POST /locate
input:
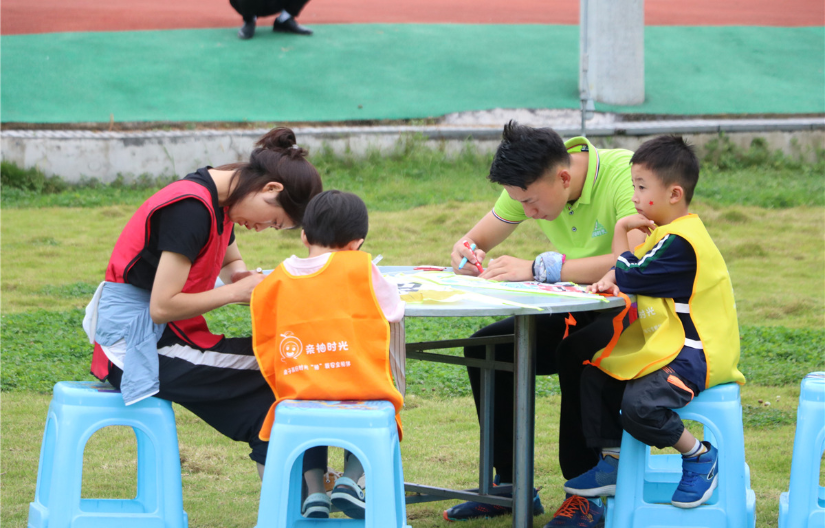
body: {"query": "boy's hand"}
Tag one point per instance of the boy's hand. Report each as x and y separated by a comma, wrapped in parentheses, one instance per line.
(461, 251)
(604, 286)
(637, 221)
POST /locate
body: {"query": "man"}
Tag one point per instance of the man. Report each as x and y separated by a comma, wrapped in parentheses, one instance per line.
(250, 10)
(577, 193)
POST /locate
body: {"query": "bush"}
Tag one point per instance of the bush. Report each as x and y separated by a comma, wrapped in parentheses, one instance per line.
(32, 179)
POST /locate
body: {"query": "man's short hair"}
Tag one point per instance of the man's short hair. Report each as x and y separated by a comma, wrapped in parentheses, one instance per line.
(333, 219)
(526, 154)
(672, 160)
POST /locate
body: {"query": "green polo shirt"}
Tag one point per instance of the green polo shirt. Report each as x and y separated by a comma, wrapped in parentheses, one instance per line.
(585, 227)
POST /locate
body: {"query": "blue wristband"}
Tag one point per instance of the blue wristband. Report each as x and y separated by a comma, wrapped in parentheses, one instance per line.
(547, 267)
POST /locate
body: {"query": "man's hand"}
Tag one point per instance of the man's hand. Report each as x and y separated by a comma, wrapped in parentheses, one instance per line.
(461, 251)
(637, 221)
(509, 269)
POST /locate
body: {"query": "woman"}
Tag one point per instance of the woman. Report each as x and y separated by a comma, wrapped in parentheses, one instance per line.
(146, 319)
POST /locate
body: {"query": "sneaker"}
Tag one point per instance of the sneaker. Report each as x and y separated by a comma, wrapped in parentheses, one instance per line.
(599, 481)
(699, 479)
(247, 31)
(316, 506)
(348, 497)
(578, 512)
(479, 510)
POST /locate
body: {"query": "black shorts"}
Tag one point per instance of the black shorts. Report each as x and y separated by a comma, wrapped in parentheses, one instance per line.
(223, 386)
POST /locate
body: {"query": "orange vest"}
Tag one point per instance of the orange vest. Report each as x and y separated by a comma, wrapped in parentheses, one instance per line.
(323, 336)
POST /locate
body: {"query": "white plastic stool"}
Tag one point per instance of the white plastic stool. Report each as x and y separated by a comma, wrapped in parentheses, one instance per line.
(367, 429)
(77, 410)
(803, 505)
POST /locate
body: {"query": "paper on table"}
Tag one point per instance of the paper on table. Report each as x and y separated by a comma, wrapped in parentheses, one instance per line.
(562, 289)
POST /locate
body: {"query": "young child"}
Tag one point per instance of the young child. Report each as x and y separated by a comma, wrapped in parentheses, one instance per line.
(686, 338)
(321, 331)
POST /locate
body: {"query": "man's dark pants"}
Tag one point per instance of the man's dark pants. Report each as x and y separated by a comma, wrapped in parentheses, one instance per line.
(554, 355)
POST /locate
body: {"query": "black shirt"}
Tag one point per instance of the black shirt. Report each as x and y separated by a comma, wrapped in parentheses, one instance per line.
(182, 227)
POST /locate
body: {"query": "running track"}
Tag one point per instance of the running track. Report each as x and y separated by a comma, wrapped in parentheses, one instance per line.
(51, 16)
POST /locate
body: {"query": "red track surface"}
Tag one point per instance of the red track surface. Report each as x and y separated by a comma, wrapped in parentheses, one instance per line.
(49, 16)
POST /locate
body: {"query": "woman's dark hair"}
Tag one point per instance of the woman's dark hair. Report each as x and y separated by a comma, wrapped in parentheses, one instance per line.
(334, 219)
(276, 158)
(525, 154)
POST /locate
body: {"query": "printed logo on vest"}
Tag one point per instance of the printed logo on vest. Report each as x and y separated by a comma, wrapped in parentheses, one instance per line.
(598, 230)
(291, 346)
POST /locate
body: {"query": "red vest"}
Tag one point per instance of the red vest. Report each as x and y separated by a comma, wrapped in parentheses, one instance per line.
(323, 336)
(205, 270)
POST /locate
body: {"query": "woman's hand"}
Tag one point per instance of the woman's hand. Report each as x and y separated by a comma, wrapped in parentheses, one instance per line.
(244, 286)
(242, 274)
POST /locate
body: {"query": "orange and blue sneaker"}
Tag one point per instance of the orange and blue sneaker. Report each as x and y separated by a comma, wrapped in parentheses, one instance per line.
(478, 510)
(578, 512)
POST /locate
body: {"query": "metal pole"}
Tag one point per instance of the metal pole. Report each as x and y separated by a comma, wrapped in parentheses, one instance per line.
(524, 420)
(584, 59)
(486, 424)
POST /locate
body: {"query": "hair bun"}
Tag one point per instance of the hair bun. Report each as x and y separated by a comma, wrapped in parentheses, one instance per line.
(277, 139)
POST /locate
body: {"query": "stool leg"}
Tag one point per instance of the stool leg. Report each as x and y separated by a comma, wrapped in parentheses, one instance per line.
(803, 509)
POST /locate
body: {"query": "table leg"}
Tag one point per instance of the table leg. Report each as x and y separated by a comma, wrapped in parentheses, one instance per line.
(524, 420)
(486, 423)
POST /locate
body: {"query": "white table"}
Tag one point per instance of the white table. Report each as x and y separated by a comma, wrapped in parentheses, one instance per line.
(524, 372)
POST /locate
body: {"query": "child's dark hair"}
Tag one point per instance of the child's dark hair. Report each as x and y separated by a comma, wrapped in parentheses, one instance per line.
(525, 154)
(672, 160)
(333, 219)
(276, 158)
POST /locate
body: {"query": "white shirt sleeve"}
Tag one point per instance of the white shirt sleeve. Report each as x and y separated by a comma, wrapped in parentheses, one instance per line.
(387, 294)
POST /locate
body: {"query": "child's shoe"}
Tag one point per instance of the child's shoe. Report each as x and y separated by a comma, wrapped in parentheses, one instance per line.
(699, 478)
(599, 481)
(578, 512)
(316, 506)
(348, 497)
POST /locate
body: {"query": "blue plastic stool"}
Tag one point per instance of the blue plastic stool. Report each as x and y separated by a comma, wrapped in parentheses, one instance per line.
(77, 410)
(803, 505)
(367, 429)
(646, 482)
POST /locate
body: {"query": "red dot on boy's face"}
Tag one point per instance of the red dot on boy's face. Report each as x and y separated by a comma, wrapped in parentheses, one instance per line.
(651, 203)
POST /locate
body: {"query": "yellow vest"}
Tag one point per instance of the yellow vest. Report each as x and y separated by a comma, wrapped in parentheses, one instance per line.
(657, 336)
(323, 336)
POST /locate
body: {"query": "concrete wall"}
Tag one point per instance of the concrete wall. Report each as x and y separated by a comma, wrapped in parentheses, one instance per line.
(75, 155)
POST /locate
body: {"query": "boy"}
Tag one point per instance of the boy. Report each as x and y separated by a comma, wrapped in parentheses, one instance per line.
(321, 331)
(685, 340)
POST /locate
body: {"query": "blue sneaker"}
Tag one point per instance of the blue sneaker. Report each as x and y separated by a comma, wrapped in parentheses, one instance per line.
(577, 512)
(348, 497)
(699, 479)
(316, 506)
(478, 510)
(599, 481)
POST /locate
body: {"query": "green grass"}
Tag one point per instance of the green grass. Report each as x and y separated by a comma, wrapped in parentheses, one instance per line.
(221, 487)
(764, 211)
(413, 175)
